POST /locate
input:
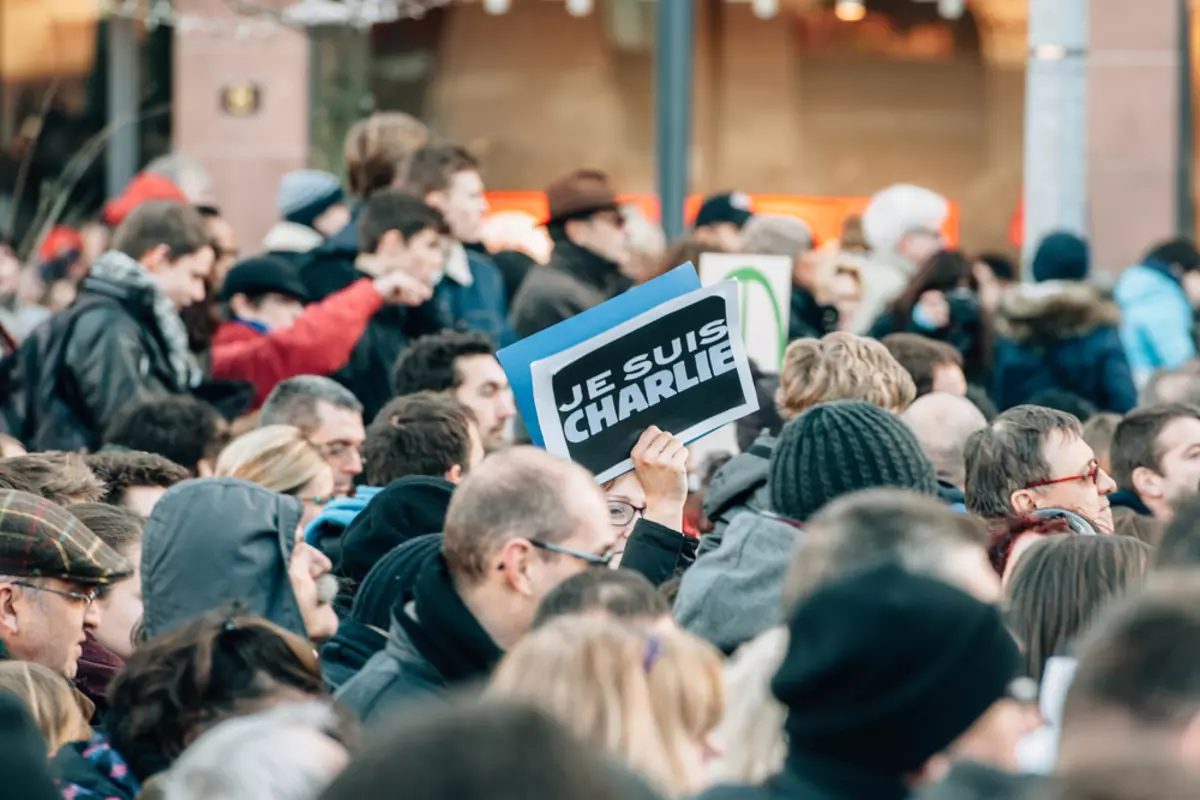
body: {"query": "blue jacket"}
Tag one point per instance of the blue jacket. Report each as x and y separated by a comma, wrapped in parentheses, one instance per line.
(1058, 335)
(1156, 319)
(479, 303)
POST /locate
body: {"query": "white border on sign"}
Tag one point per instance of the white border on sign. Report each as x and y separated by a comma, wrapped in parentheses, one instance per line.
(543, 371)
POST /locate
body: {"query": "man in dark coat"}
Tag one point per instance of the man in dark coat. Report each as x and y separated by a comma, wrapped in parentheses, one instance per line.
(589, 248)
(123, 335)
(395, 231)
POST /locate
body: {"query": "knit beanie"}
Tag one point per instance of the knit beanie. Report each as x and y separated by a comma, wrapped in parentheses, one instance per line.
(1061, 257)
(406, 508)
(306, 194)
(885, 669)
(390, 581)
(837, 448)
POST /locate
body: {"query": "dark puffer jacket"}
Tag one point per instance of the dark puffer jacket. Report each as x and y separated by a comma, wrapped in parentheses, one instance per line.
(83, 365)
(1059, 335)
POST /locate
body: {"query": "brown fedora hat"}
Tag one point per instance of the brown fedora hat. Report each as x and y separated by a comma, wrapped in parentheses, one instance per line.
(583, 192)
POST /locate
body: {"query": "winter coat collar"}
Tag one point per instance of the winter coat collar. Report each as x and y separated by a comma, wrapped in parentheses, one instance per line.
(586, 266)
(353, 645)
(97, 669)
(445, 631)
(1128, 498)
(458, 266)
(291, 237)
(1044, 313)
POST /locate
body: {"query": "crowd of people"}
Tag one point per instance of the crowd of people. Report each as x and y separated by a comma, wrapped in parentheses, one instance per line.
(269, 531)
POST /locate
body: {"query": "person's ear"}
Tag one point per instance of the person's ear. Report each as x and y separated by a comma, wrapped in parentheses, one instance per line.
(454, 474)
(241, 306)
(156, 258)
(1147, 483)
(577, 230)
(1023, 501)
(1189, 743)
(516, 559)
(391, 243)
(436, 199)
(8, 610)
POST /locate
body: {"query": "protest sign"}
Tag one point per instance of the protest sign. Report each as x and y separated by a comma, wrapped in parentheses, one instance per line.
(765, 289)
(681, 366)
(516, 358)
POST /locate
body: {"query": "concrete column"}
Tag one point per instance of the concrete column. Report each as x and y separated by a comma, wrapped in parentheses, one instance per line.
(673, 104)
(1056, 120)
(121, 155)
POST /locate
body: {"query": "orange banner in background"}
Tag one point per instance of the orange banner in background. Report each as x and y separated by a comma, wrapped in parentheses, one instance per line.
(516, 216)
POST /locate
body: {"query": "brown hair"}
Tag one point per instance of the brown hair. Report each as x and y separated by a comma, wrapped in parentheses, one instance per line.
(117, 527)
(425, 433)
(122, 470)
(1135, 442)
(433, 167)
(217, 666)
(62, 478)
(378, 149)
(841, 366)
(921, 356)
(682, 251)
(1061, 583)
(50, 699)
(1098, 433)
(162, 222)
(643, 697)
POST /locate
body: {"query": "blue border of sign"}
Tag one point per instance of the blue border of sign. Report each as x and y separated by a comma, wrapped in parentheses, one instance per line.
(517, 358)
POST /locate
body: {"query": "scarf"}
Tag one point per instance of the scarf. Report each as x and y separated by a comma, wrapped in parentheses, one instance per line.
(445, 632)
(97, 670)
(120, 270)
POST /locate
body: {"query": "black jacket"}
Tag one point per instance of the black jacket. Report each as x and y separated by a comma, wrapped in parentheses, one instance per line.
(343, 656)
(809, 319)
(968, 780)
(814, 779)
(329, 269)
(83, 365)
(575, 280)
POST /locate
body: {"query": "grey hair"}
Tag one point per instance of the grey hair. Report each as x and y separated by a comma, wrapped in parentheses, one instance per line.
(863, 529)
(294, 402)
(776, 235)
(265, 756)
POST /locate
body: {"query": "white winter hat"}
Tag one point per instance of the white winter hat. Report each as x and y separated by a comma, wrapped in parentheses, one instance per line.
(899, 209)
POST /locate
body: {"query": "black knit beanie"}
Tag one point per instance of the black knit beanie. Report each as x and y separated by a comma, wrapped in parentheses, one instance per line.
(406, 508)
(885, 669)
(390, 582)
(838, 448)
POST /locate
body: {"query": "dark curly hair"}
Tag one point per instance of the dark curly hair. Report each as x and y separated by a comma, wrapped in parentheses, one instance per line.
(427, 365)
(123, 469)
(217, 666)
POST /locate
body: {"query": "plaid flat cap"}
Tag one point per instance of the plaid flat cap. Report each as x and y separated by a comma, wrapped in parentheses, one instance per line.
(39, 539)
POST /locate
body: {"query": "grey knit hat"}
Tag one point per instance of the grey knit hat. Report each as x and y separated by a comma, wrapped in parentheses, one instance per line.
(306, 194)
(837, 448)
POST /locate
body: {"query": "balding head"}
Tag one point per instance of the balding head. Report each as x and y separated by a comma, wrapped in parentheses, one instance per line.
(522, 493)
(942, 422)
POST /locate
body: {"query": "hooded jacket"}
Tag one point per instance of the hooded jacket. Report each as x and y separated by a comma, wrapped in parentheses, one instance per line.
(575, 280)
(213, 541)
(732, 594)
(737, 487)
(1157, 319)
(1065, 336)
(23, 756)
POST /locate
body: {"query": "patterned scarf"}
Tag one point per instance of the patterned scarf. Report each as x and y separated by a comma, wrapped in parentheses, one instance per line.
(120, 270)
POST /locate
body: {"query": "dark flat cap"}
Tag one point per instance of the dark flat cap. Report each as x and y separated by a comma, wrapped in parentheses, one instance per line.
(39, 539)
(264, 275)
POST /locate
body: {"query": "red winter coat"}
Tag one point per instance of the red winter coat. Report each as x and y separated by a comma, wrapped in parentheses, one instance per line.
(318, 343)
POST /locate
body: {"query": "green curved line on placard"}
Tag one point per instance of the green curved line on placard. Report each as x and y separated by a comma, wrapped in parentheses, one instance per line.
(752, 275)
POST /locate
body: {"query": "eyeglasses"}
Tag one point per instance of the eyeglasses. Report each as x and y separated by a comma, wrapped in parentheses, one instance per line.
(1092, 474)
(339, 451)
(622, 512)
(600, 561)
(87, 598)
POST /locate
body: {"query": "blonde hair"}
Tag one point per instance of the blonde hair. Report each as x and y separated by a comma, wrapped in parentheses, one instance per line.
(378, 150)
(50, 699)
(750, 737)
(644, 697)
(276, 457)
(841, 366)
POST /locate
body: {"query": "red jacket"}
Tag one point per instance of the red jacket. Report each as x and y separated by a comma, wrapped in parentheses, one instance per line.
(318, 343)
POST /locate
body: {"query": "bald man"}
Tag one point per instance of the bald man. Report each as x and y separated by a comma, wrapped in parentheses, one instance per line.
(942, 422)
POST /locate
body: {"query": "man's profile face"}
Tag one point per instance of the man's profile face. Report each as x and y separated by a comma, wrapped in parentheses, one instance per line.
(340, 435)
(483, 388)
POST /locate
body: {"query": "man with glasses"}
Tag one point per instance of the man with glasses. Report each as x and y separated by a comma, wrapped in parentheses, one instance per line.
(328, 415)
(590, 247)
(1031, 458)
(520, 524)
(51, 568)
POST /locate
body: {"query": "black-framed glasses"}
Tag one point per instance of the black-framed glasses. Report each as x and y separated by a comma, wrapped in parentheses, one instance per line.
(87, 598)
(623, 512)
(600, 561)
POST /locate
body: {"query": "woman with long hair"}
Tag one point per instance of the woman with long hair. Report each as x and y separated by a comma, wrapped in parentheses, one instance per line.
(650, 700)
(942, 302)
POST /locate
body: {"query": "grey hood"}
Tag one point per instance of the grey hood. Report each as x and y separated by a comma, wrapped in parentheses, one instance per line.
(737, 487)
(213, 541)
(732, 594)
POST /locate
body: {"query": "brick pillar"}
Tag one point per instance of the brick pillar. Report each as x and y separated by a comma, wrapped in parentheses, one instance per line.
(246, 155)
(1133, 127)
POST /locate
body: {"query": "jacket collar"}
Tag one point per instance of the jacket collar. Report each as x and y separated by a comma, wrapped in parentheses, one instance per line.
(816, 778)
(1128, 498)
(585, 265)
(458, 266)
